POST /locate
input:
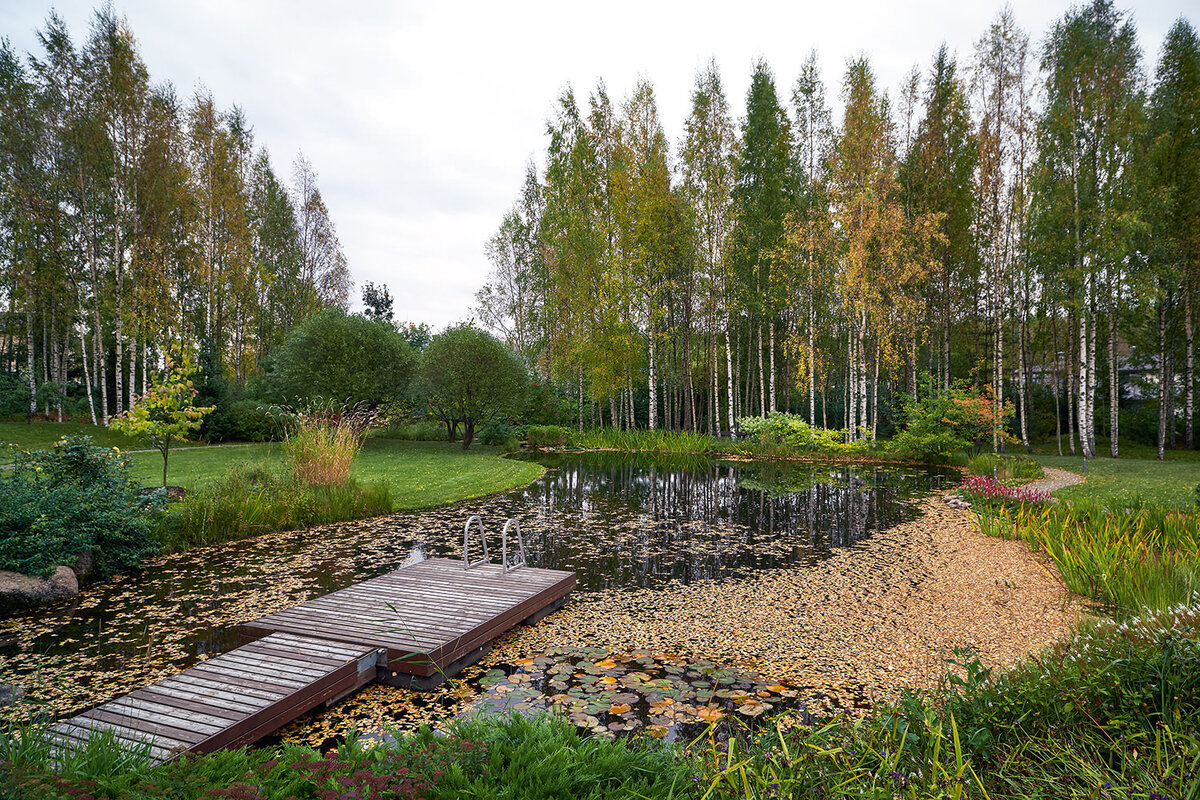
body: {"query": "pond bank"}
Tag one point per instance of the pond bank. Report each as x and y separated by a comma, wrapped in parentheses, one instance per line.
(855, 629)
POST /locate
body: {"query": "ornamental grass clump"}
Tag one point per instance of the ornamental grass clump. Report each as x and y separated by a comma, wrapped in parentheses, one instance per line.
(321, 443)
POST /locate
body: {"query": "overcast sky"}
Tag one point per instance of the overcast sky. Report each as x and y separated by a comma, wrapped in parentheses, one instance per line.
(420, 116)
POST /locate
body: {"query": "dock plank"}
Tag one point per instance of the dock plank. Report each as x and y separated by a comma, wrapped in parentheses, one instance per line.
(233, 699)
(426, 615)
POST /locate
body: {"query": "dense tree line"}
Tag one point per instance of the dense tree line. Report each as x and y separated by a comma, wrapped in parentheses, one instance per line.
(1025, 218)
(131, 219)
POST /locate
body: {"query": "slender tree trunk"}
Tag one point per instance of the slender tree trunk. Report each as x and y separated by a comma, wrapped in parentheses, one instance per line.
(1114, 381)
(653, 387)
(771, 345)
(1091, 382)
(812, 364)
(861, 351)
(1071, 384)
(1163, 380)
(30, 355)
(1189, 378)
(762, 382)
(729, 377)
(1081, 414)
(875, 397)
(1021, 385)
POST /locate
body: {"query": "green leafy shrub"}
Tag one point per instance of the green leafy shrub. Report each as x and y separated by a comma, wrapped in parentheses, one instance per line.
(1017, 469)
(423, 431)
(547, 436)
(249, 502)
(242, 421)
(792, 431)
(945, 421)
(57, 503)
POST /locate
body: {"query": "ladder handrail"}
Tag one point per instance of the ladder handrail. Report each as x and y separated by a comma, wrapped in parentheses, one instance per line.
(521, 562)
(467, 562)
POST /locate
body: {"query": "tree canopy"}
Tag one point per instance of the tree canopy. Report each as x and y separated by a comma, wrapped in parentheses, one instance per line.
(472, 377)
(340, 357)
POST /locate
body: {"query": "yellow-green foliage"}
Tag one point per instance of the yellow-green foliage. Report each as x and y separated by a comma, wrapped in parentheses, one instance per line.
(165, 412)
(1125, 559)
(321, 446)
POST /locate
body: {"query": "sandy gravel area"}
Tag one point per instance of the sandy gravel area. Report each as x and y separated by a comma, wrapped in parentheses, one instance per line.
(868, 621)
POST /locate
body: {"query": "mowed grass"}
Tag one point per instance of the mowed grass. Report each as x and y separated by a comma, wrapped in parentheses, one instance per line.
(1130, 482)
(40, 435)
(420, 474)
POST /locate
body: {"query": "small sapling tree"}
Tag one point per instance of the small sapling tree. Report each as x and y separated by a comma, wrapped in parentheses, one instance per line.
(165, 413)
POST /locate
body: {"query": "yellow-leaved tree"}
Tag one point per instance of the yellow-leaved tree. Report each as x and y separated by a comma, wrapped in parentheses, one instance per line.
(165, 412)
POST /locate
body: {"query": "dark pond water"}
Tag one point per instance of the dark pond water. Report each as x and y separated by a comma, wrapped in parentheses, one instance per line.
(618, 520)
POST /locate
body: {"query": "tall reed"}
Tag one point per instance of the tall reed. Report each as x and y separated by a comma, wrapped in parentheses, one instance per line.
(1125, 559)
(322, 442)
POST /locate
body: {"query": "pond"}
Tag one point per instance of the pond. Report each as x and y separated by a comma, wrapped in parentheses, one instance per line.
(620, 521)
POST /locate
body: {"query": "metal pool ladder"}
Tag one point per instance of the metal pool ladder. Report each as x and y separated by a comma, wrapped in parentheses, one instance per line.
(506, 567)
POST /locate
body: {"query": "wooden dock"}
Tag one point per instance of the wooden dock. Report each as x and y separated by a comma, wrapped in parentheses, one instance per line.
(413, 627)
(433, 618)
(232, 700)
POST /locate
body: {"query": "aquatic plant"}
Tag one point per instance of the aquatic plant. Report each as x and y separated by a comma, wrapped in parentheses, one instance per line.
(1125, 559)
(322, 442)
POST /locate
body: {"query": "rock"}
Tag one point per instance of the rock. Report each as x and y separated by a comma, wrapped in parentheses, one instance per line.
(19, 591)
(83, 565)
(10, 693)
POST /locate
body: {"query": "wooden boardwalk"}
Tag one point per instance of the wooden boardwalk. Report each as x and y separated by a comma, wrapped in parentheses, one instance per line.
(231, 700)
(411, 627)
(432, 617)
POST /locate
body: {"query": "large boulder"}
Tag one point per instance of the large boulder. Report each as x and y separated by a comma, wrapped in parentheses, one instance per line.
(19, 591)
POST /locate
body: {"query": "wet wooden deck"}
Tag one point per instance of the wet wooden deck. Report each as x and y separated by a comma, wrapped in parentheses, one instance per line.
(231, 700)
(411, 627)
(432, 617)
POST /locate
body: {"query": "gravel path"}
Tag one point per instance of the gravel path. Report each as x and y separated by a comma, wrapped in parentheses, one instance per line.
(872, 619)
(1055, 479)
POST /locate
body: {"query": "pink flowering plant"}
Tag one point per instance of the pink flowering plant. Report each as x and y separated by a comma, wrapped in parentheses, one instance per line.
(985, 491)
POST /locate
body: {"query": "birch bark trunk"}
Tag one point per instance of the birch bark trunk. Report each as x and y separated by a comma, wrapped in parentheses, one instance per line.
(653, 412)
(1189, 382)
(1114, 381)
(729, 377)
(762, 382)
(1163, 385)
(771, 344)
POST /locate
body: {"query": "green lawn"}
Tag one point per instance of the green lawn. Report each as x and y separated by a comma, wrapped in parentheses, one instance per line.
(420, 474)
(41, 435)
(1131, 481)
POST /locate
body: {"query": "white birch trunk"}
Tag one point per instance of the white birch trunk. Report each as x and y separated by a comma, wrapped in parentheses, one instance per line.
(653, 412)
(1091, 382)
(1114, 385)
(1189, 382)
(762, 383)
(771, 344)
(729, 376)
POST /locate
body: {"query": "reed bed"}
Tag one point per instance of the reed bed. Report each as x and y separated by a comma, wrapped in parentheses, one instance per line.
(1124, 559)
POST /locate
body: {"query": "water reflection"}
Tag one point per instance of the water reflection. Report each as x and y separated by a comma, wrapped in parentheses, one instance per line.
(623, 521)
(618, 520)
